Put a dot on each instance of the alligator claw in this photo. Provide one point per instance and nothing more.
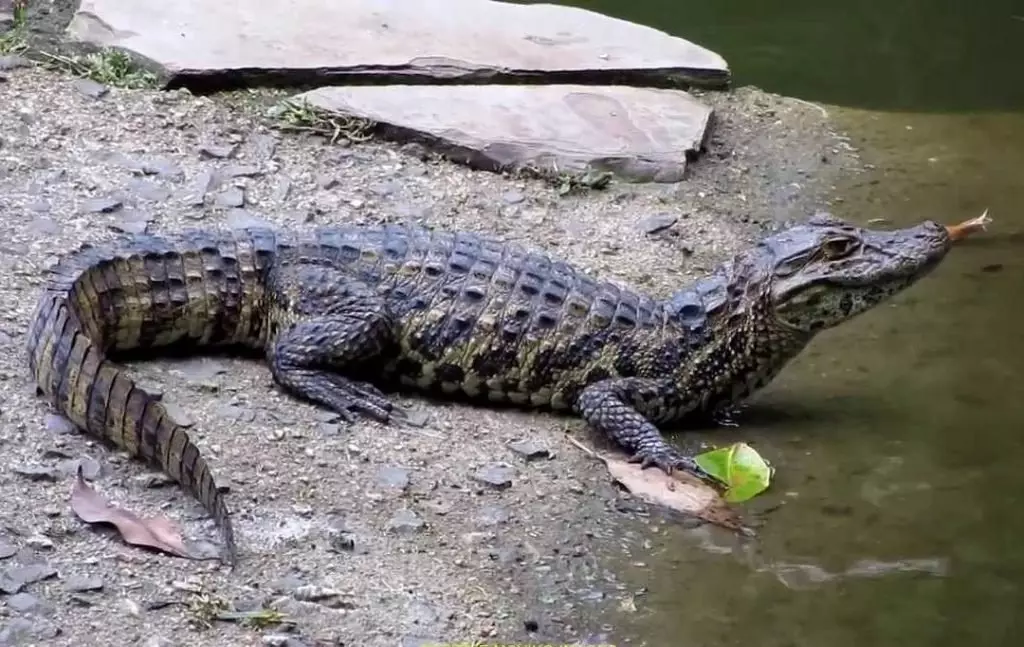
(669, 460)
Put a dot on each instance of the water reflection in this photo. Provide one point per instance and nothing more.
(908, 55)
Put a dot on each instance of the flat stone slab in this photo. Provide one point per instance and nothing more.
(387, 41)
(640, 134)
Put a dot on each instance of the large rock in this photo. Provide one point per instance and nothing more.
(390, 41)
(640, 134)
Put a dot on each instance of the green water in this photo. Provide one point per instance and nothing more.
(899, 437)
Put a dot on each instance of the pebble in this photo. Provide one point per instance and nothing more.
(240, 170)
(37, 472)
(215, 151)
(7, 549)
(164, 167)
(327, 182)
(83, 583)
(393, 477)
(282, 640)
(14, 578)
(132, 222)
(492, 515)
(405, 522)
(90, 468)
(240, 218)
(91, 89)
(58, 424)
(417, 418)
(178, 414)
(497, 475)
(39, 542)
(12, 62)
(105, 204)
(231, 197)
(148, 190)
(201, 185)
(657, 223)
(512, 197)
(22, 602)
(529, 449)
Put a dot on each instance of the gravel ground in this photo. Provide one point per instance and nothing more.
(361, 534)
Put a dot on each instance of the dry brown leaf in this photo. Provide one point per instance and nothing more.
(681, 491)
(155, 532)
(964, 229)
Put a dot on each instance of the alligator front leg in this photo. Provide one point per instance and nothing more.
(330, 323)
(613, 407)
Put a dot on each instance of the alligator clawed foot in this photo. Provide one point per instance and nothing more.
(669, 460)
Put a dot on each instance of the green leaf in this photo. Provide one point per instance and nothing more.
(740, 468)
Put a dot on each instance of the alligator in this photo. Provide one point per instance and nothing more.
(342, 312)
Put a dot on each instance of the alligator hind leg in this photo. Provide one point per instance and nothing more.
(328, 322)
(614, 406)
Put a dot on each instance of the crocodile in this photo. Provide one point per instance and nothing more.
(341, 313)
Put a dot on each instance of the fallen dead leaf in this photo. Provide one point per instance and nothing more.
(681, 492)
(964, 229)
(154, 532)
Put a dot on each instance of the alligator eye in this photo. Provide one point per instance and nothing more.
(838, 248)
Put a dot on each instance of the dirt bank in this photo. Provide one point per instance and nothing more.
(395, 523)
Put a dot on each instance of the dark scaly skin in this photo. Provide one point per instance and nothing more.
(339, 309)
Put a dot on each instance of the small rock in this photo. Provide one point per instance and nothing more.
(13, 62)
(242, 219)
(7, 549)
(492, 515)
(327, 182)
(90, 468)
(656, 223)
(132, 222)
(83, 583)
(232, 197)
(263, 145)
(178, 415)
(201, 185)
(384, 189)
(90, 88)
(107, 204)
(240, 170)
(405, 522)
(393, 477)
(282, 640)
(320, 594)
(420, 641)
(15, 577)
(58, 424)
(155, 480)
(340, 541)
(529, 449)
(36, 472)
(22, 602)
(281, 190)
(163, 167)
(496, 475)
(17, 632)
(159, 641)
(216, 151)
(512, 197)
(39, 542)
(287, 584)
(44, 226)
(148, 190)
(417, 418)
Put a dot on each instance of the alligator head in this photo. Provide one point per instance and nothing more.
(827, 271)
